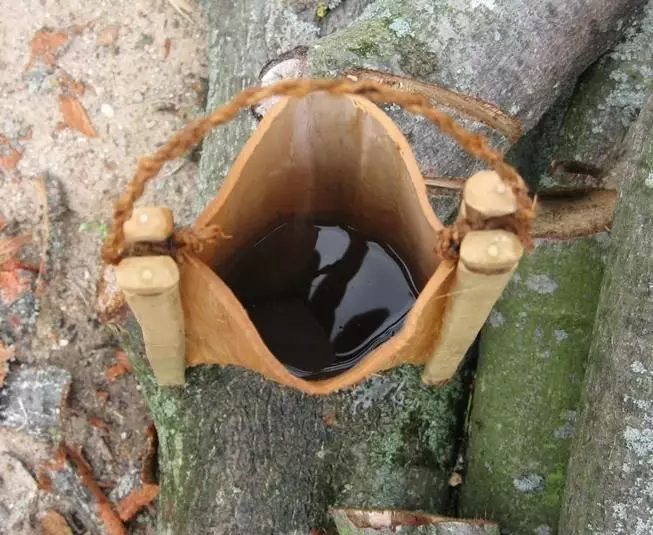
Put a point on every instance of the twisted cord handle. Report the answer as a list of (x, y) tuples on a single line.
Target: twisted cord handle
[(450, 237)]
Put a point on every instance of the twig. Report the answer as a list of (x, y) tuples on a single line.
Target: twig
[(175, 169), (445, 182)]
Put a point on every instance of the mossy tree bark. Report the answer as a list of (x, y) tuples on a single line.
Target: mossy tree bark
[(609, 479), (528, 383), (239, 454)]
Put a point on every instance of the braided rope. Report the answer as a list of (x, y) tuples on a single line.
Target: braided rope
[(449, 238)]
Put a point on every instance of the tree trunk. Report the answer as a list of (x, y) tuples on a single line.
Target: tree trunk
[(239, 454), (528, 383), (609, 479)]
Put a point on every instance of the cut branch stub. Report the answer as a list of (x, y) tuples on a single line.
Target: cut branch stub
[(149, 223), (151, 288), (486, 196)]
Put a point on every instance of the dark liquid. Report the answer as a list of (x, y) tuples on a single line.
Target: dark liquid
[(322, 296)]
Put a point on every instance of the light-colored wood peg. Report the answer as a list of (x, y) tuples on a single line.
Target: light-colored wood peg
[(488, 259), (486, 195), (151, 288), (149, 223)]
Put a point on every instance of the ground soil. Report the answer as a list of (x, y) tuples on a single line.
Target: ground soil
[(142, 69)]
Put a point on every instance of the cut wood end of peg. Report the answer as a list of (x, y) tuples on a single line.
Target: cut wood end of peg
[(490, 251), (147, 275), (149, 223), (488, 195)]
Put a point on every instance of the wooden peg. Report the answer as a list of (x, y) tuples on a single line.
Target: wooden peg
[(148, 223), (488, 259), (151, 288), (485, 195)]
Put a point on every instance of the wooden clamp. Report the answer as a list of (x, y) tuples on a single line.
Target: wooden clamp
[(488, 258), (151, 288)]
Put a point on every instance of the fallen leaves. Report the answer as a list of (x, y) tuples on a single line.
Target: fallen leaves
[(44, 46), (112, 515), (13, 280), (75, 116)]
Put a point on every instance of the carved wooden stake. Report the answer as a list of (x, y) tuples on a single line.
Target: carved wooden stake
[(488, 259), (151, 288)]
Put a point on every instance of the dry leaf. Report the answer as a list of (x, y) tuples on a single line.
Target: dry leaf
[(44, 46), (116, 371), (108, 36), (75, 116), (55, 524), (9, 158), (70, 86), (136, 500)]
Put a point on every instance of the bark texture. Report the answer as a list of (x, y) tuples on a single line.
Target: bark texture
[(239, 454), (528, 384), (609, 479)]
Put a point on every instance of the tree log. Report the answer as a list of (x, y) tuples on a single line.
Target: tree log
[(520, 57), (609, 478), (528, 383), (240, 454)]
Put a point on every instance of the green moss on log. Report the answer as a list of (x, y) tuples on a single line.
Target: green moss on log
[(532, 361), (610, 480)]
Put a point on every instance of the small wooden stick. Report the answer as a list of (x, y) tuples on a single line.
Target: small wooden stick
[(487, 196), (488, 259), (149, 223), (151, 288)]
